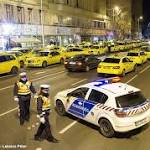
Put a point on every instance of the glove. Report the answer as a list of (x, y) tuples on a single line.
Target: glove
[(16, 99), (42, 120)]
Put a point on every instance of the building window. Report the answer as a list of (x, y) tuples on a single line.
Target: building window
[(21, 15), (29, 15), (9, 13)]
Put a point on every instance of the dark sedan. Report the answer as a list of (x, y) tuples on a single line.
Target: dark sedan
[(81, 63)]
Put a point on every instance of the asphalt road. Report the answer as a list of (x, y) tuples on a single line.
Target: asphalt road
[(74, 134)]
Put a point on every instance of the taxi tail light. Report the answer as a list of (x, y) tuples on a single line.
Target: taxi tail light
[(120, 113), (116, 67)]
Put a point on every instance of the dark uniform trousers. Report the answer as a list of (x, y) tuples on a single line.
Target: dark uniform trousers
[(45, 128), (24, 106)]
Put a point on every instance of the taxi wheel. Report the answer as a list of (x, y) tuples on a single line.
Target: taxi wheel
[(106, 128), (87, 68), (60, 108), (14, 70), (123, 73), (44, 64), (135, 67), (21, 64)]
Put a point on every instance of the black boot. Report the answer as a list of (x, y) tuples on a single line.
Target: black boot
[(53, 140), (37, 138)]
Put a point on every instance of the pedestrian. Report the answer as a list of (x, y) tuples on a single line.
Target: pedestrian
[(44, 108), (22, 94)]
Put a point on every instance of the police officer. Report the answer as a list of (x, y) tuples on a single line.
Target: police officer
[(22, 94), (43, 108)]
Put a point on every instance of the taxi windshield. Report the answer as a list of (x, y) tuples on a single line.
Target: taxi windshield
[(42, 54), (130, 100), (111, 60), (132, 54)]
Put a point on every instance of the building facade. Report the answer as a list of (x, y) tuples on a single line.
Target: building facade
[(64, 20)]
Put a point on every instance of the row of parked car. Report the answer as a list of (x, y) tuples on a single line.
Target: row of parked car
[(12, 60)]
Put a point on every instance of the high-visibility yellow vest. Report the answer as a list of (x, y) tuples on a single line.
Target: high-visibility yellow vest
[(46, 103), (24, 89)]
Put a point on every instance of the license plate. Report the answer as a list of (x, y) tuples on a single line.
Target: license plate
[(140, 122), (107, 67)]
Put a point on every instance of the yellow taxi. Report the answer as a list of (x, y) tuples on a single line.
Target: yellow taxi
[(72, 52), (9, 64), (146, 49), (21, 58), (116, 65), (43, 59), (27, 52), (97, 50), (139, 57)]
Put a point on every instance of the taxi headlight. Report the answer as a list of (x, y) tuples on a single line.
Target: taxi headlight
[(99, 66)]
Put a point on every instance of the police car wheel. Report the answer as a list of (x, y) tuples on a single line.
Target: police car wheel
[(60, 108), (106, 128), (44, 64)]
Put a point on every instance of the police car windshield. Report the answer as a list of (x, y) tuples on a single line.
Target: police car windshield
[(130, 100), (132, 54), (111, 60)]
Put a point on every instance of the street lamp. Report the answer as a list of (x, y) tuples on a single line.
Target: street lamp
[(140, 18), (42, 24)]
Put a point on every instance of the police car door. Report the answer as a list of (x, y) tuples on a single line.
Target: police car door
[(91, 109), (76, 102)]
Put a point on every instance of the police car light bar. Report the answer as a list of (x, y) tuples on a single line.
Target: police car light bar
[(100, 82)]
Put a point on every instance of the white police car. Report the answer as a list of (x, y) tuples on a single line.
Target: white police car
[(111, 106)]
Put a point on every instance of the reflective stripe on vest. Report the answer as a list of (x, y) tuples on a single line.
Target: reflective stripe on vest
[(24, 89), (46, 103)]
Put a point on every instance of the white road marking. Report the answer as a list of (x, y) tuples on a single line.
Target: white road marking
[(67, 127), (28, 128), (132, 79), (144, 69), (79, 82), (40, 72), (7, 87), (9, 111), (38, 148), (10, 86)]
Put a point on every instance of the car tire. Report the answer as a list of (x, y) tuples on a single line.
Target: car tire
[(105, 128), (60, 108), (123, 73), (135, 68), (14, 70), (44, 64), (21, 64), (87, 68)]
